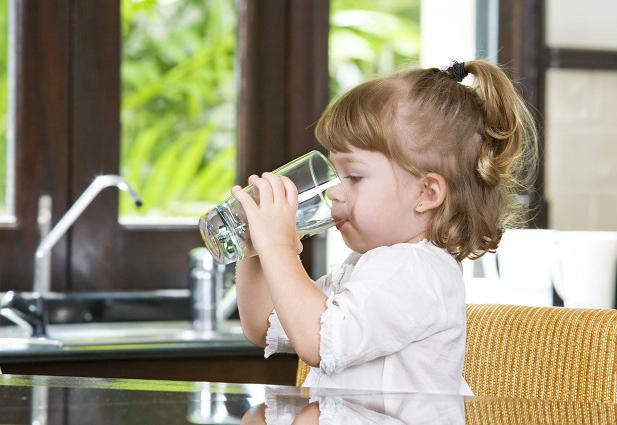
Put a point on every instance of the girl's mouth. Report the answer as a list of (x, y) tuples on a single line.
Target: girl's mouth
[(339, 223)]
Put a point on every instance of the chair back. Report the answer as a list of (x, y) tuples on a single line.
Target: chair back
[(548, 353)]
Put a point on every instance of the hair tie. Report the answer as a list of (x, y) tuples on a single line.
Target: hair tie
[(457, 71)]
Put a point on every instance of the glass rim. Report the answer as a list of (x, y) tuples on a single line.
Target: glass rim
[(330, 166)]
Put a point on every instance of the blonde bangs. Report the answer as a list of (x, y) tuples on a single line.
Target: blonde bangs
[(357, 118)]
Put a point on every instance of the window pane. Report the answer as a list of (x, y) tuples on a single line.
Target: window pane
[(369, 38), (178, 105), (5, 157)]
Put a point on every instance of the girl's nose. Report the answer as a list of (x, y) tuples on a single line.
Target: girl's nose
[(335, 193)]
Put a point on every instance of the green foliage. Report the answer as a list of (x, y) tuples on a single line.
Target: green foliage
[(3, 100), (369, 38), (178, 104)]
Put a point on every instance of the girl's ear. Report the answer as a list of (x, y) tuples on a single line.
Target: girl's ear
[(433, 193)]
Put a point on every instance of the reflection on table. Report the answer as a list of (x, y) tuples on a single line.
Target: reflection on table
[(58, 400)]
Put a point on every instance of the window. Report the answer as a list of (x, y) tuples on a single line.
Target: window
[(83, 84), (179, 89)]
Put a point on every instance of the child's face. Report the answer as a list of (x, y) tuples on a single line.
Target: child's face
[(374, 205)]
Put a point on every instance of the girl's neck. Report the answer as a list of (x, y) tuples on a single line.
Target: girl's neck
[(418, 237)]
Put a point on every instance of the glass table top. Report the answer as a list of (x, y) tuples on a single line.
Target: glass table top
[(66, 400)]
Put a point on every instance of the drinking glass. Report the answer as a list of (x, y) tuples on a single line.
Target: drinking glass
[(224, 228)]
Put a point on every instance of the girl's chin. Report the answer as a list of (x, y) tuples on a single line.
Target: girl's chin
[(353, 244)]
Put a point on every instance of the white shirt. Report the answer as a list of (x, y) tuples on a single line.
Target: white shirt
[(283, 407), (395, 320)]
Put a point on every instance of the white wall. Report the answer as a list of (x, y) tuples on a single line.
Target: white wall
[(582, 24), (580, 120), (448, 32)]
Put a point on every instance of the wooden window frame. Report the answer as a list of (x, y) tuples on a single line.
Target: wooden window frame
[(521, 47), (41, 125)]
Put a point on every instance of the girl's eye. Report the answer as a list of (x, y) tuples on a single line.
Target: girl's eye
[(354, 179)]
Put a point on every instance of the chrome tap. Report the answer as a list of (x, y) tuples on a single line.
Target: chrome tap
[(27, 310), (42, 266), (213, 292)]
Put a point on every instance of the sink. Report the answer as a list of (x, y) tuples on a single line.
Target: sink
[(116, 335), (131, 333), (82, 321)]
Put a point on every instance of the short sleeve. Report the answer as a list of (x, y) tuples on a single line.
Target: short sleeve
[(277, 340), (282, 408), (391, 299)]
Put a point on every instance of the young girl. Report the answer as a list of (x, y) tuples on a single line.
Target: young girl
[(430, 172)]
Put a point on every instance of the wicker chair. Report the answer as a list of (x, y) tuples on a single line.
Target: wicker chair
[(542, 353), (516, 411)]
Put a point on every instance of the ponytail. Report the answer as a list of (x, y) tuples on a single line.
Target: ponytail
[(509, 149)]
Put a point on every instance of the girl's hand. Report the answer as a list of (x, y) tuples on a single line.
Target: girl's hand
[(272, 223)]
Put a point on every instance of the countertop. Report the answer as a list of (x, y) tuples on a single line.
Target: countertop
[(63, 400), (120, 325), (125, 341)]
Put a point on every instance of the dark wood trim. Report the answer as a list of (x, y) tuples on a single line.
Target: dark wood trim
[(41, 137), (308, 94), (580, 59), (155, 258), (262, 142), (284, 68), (308, 77), (521, 47), (95, 243), (277, 370), (284, 72)]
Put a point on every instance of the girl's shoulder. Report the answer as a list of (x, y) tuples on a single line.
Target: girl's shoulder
[(420, 253), (420, 267), (394, 263)]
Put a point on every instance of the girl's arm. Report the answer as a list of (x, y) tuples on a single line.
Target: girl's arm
[(299, 303), (254, 302)]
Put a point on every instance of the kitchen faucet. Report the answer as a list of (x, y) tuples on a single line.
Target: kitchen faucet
[(213, 291), (42, 267), (12, 305)]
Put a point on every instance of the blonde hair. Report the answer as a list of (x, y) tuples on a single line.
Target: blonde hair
[(481, 138)]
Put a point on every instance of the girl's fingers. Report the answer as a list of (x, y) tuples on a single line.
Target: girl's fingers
[(265, 190), (291, 191), (278, 188), (248, 203)]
